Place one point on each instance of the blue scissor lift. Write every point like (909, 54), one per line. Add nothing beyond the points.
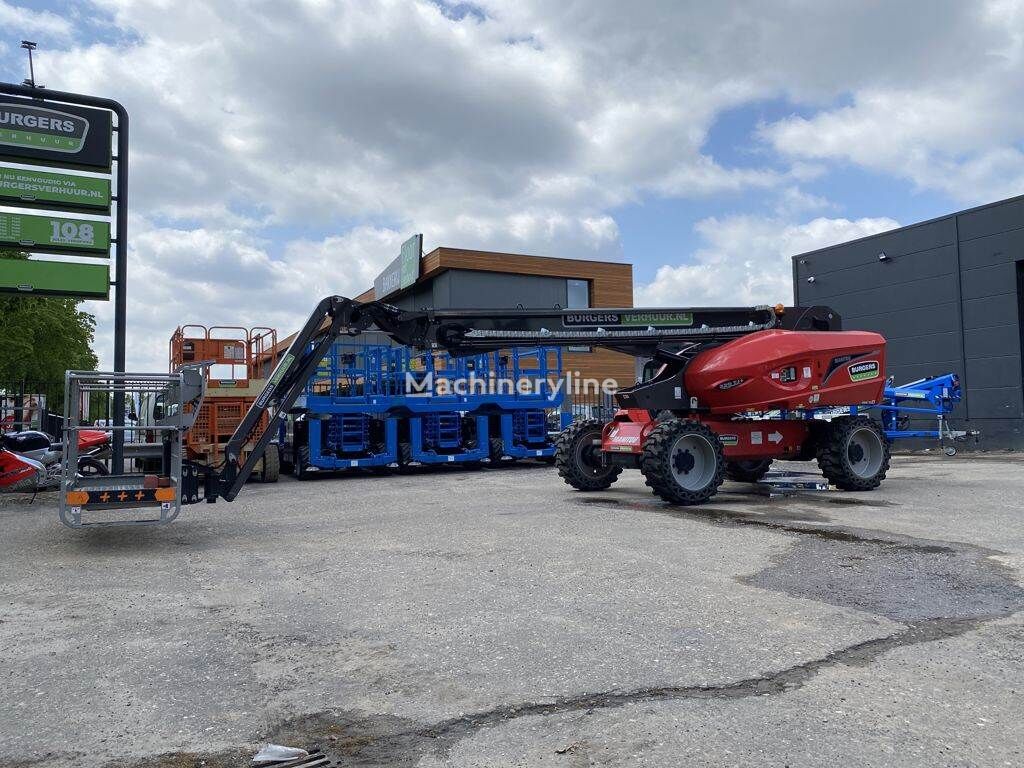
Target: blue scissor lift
(346, 414)
(522, 418)
(375, 406)
(443, 422)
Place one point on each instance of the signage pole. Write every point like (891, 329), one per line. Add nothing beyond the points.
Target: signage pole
(121, 228)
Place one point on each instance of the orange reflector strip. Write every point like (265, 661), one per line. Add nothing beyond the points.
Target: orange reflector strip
(164, 494)
(77, 498)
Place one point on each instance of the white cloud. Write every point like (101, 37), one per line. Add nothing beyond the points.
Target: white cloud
(21, 20)
(746, 260)
(228, 277)
(271, 140)
(958, 130)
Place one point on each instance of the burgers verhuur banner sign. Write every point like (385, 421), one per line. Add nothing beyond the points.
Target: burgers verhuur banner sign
(55, 134)
(42, 189)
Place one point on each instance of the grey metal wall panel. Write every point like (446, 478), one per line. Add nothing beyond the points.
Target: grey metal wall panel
(874, 274)
(993, 371)
(995, 218)
(996, 403)
(904, 372)
(900, 323)
(442, 290)
(922, 237)
(992, 342)
(994, 249)
(993, 280)
(920, 293)
(929, 349)
(1000, 434)
(989, 312)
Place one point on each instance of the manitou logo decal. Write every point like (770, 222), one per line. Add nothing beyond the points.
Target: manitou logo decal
(628, 319)
(864, 371)
(624, 439)
(39, 128)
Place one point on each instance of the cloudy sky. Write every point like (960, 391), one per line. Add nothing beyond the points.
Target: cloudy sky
(282, 151)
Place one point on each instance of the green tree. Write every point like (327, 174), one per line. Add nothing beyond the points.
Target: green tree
(41, 337)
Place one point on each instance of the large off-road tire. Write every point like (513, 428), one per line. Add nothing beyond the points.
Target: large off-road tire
(747, 471)
(853, 453)
(271, 464)
(683, 462)
(578, 457)
(301, 464)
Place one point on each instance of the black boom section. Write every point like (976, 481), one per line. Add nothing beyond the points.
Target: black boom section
(634, 331)
(652, 332)
(332, 317)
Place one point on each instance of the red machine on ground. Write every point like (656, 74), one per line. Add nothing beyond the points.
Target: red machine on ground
(30, 459)
(750, 399)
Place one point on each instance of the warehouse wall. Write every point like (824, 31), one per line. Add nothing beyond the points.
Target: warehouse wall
(948, 297)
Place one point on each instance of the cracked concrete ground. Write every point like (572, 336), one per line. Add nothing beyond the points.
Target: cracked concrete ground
(498, 618)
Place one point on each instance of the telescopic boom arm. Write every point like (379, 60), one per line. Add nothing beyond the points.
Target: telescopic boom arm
(639, 332)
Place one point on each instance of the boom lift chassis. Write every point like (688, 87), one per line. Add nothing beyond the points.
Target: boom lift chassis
(733, 388)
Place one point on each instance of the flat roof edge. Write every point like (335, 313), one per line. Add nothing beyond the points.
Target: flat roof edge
(926, 222)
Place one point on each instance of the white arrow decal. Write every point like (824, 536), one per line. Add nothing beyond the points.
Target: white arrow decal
(775, 437)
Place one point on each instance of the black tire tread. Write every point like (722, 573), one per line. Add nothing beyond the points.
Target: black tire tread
(301, 462)
(495, 450)
(565, 451)
(735, 471)
(657, 472)
(832, 459)
(404, 456)
(271, 464)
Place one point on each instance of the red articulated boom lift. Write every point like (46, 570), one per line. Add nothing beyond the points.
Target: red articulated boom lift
(726, 391)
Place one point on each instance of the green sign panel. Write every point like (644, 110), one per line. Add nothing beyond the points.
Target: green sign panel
(53, 278)
(412, 250)
(403, 271)
(21, 186)
(54, 234)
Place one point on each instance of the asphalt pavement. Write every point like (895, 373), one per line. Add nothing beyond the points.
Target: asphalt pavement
(499, 618)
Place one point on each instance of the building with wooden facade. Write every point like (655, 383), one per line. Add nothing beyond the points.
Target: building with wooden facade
(456, 278)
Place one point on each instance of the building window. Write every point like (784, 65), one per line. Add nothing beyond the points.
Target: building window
(577, 296)
(577, 293)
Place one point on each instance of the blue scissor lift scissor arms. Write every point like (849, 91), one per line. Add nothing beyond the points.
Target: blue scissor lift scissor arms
(643, 332)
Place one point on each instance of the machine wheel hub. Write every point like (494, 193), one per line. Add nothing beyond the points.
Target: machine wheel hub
(683, 461)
